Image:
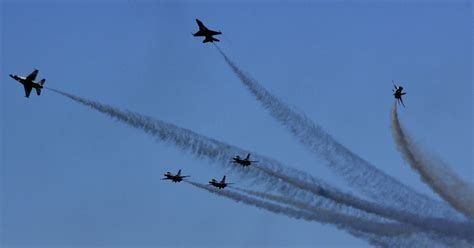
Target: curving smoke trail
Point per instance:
(290, 182)
(437, 175)
(358, 172)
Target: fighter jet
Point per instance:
(29, 82)
(203, 31)
(174, 178)
(244, 162)
(397, 92)
(220, 185)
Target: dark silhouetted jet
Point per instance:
(222, 184)
(203, 31)
(397, 92)
(29, 82)
(244, 162)
(174, 178)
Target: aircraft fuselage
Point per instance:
(243, 162)
(174, 179)
(26, 82)
(218, 185)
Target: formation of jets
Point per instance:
(178, 178)
(218, 184)
(29, 83)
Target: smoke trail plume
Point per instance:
(437, 175)
(358, 172)
(445, 228)
(376, 233)
(292, 183)
(324, 216)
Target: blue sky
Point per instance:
(73, 177)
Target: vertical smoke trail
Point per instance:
(356, 171)
(437, 175)
(292, 183)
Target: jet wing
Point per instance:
(199, 33)
(28, 90)
(402, 102)
(32, 76)
(201, 25)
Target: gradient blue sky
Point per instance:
(73, 177)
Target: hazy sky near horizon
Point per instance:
(73, 177)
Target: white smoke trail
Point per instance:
(358, 172)
(324, 216)
(376, 233)
(289, 182)
(459, 229)
(437, 175)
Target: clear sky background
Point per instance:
(73, 177)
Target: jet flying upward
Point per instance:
(174, 178)
(29, 82)
(244, 162)
(203, 31)
(220, 185)
(397, 92)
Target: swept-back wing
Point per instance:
(27, 90)
(32, 75)
(201, 25)
(401, 100)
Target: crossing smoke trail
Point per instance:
(463, 230)
(215, 151)
(343, 222)
(289, 182)
(413, 240)
(437, 175)
(359, 173)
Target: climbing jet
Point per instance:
(174, 178)
(222, 184)
(397, 92)
(29, 82)
(203, 31)
(244, 162)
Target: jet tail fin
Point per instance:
(38, 91)
(223, 179)
(179, 172)
(42, 82)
